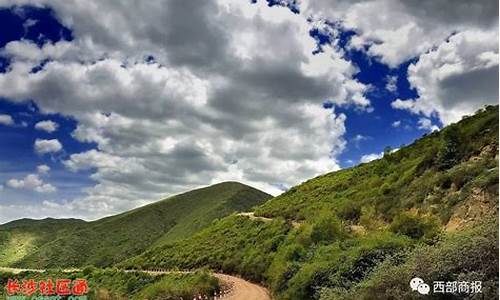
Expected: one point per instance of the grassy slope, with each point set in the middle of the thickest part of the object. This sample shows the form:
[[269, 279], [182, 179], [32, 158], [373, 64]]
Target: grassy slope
[[21, 237], [407, 204], [107, 284], [408, 178], [112, 239]]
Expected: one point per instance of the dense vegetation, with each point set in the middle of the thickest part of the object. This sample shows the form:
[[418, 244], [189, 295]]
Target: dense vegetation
[[70, 243], [428, 209], [22, 237], [107, 284], [234, 244], [469, 255]]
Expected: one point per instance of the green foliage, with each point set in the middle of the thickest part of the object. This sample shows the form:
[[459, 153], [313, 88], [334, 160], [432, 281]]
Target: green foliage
[[326, 228], [415, 226], [20, 238], [234, 244], [177, 286], [53, 243], [448, 154], [113, 284]]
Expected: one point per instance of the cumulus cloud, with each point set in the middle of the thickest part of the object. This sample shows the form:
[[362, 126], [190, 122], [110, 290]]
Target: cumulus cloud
[[396, 124], [401, 30], [31, 182], [456, 78], [455, 41], [391, 84], [48, 126], [43, 169], [370, 157], [6, 120], [426, 124], [47, 146]]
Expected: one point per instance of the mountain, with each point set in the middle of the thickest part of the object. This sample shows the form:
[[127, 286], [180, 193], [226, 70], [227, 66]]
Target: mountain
[[429, 209], [66, 243]]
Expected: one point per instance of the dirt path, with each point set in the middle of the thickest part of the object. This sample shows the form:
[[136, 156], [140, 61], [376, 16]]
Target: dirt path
[[252, 216], [240, 288], [17, 270]]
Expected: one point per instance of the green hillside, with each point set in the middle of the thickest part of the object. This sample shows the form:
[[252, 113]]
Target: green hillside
[[22, 237], [54, 243], [429, 209], [110, 283]]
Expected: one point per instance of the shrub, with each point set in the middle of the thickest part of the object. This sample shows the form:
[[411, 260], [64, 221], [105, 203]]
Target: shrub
[[326, 228], [415, 226]]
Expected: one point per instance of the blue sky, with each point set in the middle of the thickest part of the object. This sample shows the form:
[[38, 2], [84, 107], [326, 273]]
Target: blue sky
[[100, 165]]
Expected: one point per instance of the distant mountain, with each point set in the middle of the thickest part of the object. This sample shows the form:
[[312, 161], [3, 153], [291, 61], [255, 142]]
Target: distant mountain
[[429, 209], [69, 242]]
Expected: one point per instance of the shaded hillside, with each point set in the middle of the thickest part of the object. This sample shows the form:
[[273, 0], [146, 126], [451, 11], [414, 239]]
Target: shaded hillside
[[25, 236], [112, 239], [337, 235]]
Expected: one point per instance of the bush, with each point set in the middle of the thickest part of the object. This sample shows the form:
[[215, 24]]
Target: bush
[[185, 286], [415, 226], [326, 228]]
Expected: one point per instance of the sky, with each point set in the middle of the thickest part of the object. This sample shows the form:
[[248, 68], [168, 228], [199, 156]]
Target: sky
[[109, 105]]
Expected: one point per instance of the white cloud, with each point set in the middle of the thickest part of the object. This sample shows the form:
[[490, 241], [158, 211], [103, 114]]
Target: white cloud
[[48, 126], [6, 120], [47, 146], [455, 41], [426, 124], [358, 138], [401, 30], [370, 157], [43, 169], [457, 78], [391, 84], [396, 124], [31, 182]]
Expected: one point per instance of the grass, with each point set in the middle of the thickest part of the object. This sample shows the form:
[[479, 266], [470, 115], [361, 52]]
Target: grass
[[18, 239], [106, 284]]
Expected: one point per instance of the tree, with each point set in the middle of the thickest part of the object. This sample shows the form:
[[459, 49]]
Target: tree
[[448, 154]]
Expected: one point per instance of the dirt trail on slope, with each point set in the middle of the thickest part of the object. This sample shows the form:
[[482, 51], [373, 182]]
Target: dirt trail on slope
[[242, 289], [252, 216]]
